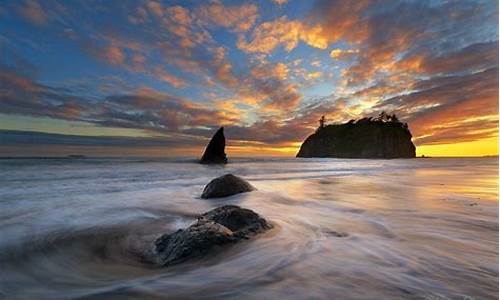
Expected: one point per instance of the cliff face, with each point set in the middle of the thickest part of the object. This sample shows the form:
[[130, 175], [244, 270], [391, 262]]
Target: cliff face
[[361, 139]]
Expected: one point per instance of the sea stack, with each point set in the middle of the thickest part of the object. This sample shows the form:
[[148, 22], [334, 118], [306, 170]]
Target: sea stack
[[383, 137], [214, 153]]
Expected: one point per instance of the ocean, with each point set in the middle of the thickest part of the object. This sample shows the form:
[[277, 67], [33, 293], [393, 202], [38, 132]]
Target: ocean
[[343, 229]]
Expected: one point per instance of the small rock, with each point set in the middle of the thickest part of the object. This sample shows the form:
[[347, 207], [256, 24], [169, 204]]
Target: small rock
[[220, 226], [337, 234], [226, 185]]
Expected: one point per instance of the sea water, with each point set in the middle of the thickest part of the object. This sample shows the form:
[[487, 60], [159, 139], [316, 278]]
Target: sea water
[[344, 229]]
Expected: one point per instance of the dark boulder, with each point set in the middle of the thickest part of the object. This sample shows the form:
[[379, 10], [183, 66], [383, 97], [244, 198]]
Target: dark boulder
[[242, 222], [226, 185], [220, 226], [365, 138], [214, 153]]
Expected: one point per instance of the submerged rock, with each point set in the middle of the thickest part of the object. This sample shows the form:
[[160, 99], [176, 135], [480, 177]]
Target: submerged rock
[[365, 138], [220, 226], [214, 153], [226, 185]]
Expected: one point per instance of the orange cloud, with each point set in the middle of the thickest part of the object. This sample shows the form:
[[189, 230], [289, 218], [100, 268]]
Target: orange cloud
[[381, 90], [296, 62], [304, 77], [268, 70], [281, 71], [32, 12], [269, 35], [155, 8], [222, 68], [210, 65], [281, 97], [15, 82], [314, 75], [132, 55], [179, 15], [316, 63], [343, 20], [175, 81], [228, 107], [280, 2], [342, 54], [237, 17], [113, 55], [178, 21]]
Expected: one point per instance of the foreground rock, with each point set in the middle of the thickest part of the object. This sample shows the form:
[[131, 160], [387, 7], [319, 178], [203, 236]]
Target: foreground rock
[[226, 185], [223, 225], [214, 153], [365, 138]]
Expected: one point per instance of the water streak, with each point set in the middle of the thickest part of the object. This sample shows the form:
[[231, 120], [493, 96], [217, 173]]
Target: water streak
[[344, 228]]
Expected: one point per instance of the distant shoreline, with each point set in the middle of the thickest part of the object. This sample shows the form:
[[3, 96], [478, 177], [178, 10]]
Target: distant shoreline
[[75, 157]]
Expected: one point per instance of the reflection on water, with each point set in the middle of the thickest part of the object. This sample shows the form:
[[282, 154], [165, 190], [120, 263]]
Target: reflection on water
[[344, 228]]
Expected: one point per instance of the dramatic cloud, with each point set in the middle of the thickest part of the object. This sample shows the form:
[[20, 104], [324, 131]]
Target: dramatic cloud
[[145, 109], [472, 58], [443, 108], [21, 95], [265, 70]]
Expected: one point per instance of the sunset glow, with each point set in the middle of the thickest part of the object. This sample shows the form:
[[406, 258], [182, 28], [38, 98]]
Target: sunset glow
[[159, 77]]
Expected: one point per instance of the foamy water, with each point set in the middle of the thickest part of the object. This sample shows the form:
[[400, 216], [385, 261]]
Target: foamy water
[[373, 229]]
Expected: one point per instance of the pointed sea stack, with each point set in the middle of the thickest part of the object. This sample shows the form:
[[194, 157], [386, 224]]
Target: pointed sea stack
[[214, 153]]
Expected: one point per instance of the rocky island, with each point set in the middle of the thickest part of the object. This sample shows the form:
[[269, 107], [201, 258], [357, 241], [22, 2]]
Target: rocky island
[[381, 137]]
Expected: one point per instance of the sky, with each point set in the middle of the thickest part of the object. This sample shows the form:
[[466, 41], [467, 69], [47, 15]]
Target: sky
[[140, 78]]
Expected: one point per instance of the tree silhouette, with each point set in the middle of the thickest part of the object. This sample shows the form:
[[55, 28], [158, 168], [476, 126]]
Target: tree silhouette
[[322, 122]]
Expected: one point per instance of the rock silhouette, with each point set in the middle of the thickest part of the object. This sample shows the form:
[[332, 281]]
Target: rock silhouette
[[220, 226], [214, 153], [365, 138], [226, 185]]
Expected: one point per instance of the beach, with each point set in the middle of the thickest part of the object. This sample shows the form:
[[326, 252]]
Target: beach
[[343, 228]]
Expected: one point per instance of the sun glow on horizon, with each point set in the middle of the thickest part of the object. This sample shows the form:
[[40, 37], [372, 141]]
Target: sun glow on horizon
[[483, 147]]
